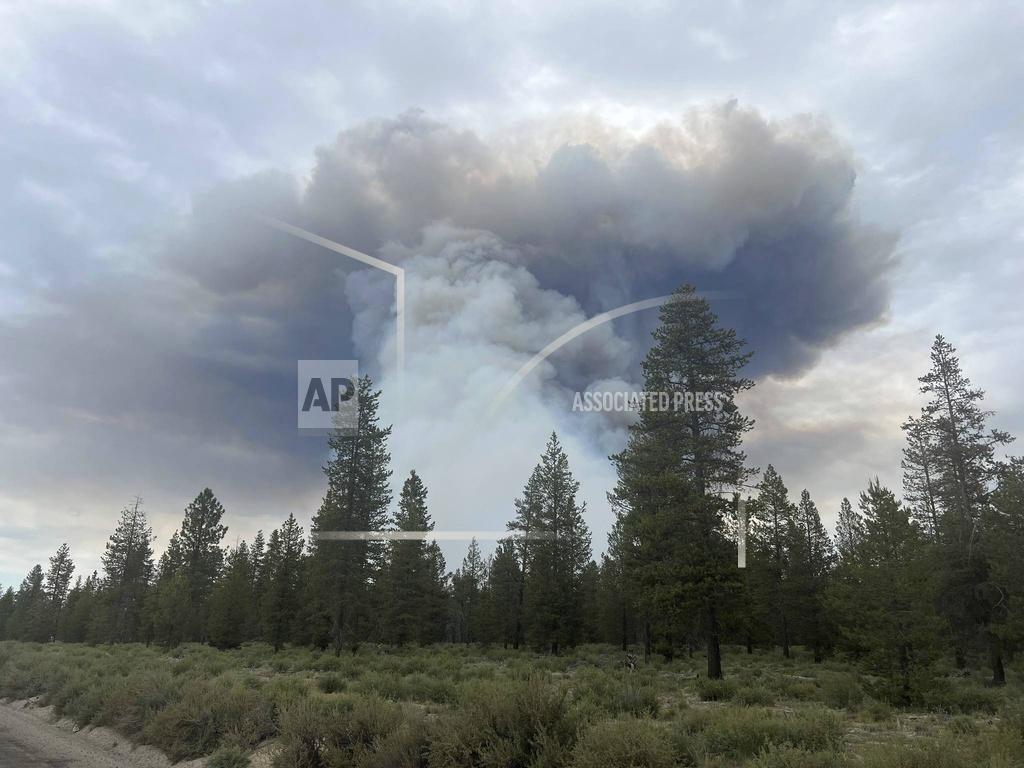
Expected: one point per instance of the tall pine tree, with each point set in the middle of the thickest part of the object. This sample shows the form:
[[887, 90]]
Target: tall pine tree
[[557, 540], [412, 590], [343, 572], [677, 467]]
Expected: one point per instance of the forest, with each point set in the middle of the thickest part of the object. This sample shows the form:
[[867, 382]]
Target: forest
[[908, 592]]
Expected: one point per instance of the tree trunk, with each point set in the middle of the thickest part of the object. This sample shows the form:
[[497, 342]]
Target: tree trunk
[[959, 658], [785, 638], [647, 640], [996, 654], [714, 647]]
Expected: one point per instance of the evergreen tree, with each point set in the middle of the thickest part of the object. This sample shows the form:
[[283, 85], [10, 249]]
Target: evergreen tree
[[342, 573], [231, 601], [617, 621], [812, 558], [1002, 544], [6, 610], [412, 590], [57, 586], [952, 433], [920, 474], [466, 613], [676, 466], [504, 579], [201, 557], [885, 611], [28, 619], [169, 608], [558, 552], [771, 520], [849, 530], [74, 623], [127, 571], [258, 585], [284, 566]]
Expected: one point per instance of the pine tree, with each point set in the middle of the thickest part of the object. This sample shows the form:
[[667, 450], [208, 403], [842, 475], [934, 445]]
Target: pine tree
[[82, 607], [952, 433], [285, 569], [342, 573], [128, 569], [199, 539], [617, 619], [6, 610], [771, 520], [412, 590], [1002, 543], [28, 619], [169, 609], [920, 474], [466, 612], [557, 557], [502, 595], [678, 463], [231, 600], [849, 530], [812, 557], [57, 586], [258, 585], [885, 611]]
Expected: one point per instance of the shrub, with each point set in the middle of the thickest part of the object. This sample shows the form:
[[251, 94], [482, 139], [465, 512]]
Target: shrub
[[228, 757], [841, 691], [506, 723], [945, 754], [326, 731], [795, 757], [879, 712], [626, 742], [715, 690], [208, 714], [755, 696], [331, 683], [963, 726], [941, 695], [740, 732]]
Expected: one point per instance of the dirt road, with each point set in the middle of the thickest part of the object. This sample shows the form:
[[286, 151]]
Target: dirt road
[[30, 739]]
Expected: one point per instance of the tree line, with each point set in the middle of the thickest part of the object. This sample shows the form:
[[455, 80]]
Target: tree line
[[901, 585]]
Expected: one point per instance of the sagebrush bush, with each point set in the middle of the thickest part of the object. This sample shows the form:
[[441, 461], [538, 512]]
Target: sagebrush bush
[[754, 696], [941, 695], [525, 722], [327, 731], [737, 732], [627, 742], [841, 691], [715, 690], [795, 757], [228, 757], [208, 714]]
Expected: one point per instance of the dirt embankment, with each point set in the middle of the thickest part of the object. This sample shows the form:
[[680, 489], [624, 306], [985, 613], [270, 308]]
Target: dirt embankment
[[30, 737]]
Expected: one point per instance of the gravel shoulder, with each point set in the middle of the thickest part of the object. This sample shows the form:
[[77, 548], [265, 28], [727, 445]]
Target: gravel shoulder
[[30, 737]]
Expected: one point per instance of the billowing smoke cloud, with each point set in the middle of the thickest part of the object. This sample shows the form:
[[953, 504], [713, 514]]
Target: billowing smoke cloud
[[723, 198]]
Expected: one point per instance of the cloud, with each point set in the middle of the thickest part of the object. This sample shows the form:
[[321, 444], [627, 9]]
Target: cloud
[[723, 197], [507, 242]]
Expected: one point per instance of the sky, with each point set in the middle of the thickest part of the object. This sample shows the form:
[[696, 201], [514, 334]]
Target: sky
[[844, 178]]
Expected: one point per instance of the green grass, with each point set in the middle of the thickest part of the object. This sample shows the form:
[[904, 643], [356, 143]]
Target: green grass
[[478, 707]]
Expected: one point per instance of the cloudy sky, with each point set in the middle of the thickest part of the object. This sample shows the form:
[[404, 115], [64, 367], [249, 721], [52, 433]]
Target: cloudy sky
[[846, 177]]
